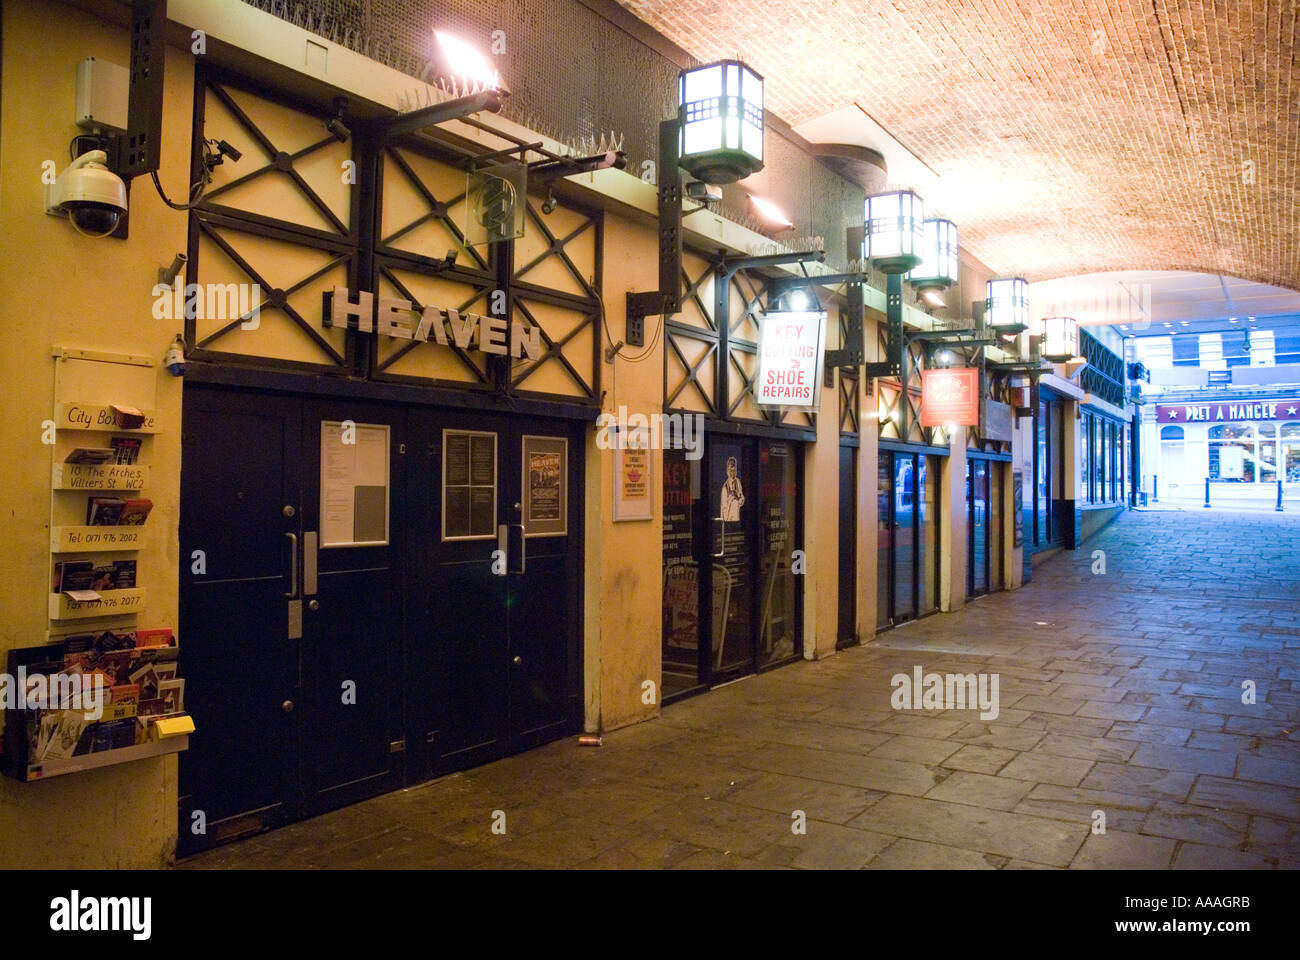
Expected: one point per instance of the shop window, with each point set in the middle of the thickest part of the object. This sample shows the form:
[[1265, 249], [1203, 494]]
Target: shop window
[[1085, 465], [1232, 453], [1289, 439], [1267, 453]]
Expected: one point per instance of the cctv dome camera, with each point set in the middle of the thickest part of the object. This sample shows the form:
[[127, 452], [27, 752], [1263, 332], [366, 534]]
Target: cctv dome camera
[[88, 194]]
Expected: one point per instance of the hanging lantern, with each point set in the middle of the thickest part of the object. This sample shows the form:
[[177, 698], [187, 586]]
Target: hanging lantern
[[720, 110], [1060, 339], [1006, 306], [895, 230], [938, 266]]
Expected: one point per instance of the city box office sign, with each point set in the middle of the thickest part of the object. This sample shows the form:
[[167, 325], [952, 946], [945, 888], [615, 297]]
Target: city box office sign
[[396, 318], [1274, 408], [790, 347], [950, 395]]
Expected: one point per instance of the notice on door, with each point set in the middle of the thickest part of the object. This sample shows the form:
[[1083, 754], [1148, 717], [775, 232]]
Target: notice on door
[[469, 485], [353, 484], [546, 466]]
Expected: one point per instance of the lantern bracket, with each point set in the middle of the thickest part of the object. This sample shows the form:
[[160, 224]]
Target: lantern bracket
[[729, 265], [851, 352]]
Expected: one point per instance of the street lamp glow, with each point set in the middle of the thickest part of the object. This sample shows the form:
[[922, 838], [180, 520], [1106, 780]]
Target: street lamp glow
[[895, 230], [770, 212], [938, 266], [467, 63], [1060, 338], [1006, 305], [720, 111]]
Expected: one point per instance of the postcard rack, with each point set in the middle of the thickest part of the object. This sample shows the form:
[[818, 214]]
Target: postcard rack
[[101, 436]]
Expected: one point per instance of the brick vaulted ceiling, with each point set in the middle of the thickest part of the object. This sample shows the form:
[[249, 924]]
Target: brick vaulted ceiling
[[1070, 136]]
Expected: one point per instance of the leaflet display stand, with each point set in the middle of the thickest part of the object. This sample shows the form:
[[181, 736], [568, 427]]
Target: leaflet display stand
[[101, 436]]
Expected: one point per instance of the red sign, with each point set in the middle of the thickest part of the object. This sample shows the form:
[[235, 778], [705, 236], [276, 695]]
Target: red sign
[[1232, 411], [950, 396]]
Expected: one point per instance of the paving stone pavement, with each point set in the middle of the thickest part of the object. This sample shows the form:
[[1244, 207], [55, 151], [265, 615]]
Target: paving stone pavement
[[1120, 692]]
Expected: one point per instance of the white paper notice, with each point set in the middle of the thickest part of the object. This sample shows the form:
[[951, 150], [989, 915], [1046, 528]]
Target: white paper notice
[[353, 484]]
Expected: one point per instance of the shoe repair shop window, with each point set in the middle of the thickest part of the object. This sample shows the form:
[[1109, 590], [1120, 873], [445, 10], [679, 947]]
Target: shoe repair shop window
[[733, 519]]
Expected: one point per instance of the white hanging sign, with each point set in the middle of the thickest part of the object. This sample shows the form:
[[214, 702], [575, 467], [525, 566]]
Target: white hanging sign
[[790, 352]]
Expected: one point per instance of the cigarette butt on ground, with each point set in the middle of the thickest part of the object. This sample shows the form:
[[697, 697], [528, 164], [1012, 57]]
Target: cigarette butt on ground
[[589, 741]]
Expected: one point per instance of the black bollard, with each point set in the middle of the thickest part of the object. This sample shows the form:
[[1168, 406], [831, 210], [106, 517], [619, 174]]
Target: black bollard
[[1155, 488], [1278, 508], [1207, 492]]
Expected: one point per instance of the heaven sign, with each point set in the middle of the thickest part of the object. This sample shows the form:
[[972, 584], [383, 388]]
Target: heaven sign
[[391, 317]]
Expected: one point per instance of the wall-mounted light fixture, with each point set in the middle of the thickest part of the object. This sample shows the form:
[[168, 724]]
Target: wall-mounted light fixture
[[1060, 339], [720, 115], [938, 266], [894, 239], [895, 231], [717, 136], [1006, 306]]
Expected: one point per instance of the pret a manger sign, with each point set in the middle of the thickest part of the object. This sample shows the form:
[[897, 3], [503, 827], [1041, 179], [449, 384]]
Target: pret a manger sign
[[1271, 408], [790, 347], [950, 396], [392, 317]]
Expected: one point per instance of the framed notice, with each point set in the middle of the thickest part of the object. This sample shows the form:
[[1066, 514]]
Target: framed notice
[[353, 484], [469, 485], [633, 487], [546, 486]]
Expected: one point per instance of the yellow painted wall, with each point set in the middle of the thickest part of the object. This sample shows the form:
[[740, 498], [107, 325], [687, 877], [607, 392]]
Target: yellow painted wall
[[821, 525], [624, 559], [58, 287]]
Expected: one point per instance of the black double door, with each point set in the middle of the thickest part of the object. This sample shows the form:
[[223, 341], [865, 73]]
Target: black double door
[[336, 642], [733, 563], [495, 626]]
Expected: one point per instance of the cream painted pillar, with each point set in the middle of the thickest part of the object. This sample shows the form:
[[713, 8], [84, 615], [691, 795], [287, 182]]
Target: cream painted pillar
[[821, 530], [623, 643], [952, 493]]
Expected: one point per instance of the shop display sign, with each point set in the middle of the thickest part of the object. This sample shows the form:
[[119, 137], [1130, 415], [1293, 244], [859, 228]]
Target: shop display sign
[[546, 466], [1274, 408], [950, 395], [790, 348], [999, 421]]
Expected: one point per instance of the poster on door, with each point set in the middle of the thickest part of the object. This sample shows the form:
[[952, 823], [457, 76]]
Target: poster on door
[[546, 461], [353, 484], [469, 485]]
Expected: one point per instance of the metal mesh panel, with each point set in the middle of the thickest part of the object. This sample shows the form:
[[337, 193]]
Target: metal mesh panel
[[571, 73]]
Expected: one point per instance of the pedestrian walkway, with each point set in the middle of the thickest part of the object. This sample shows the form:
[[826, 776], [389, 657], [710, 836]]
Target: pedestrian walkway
[[1120, 695]]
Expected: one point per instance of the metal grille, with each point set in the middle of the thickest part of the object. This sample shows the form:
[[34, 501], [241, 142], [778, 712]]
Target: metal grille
[[571, 73]]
